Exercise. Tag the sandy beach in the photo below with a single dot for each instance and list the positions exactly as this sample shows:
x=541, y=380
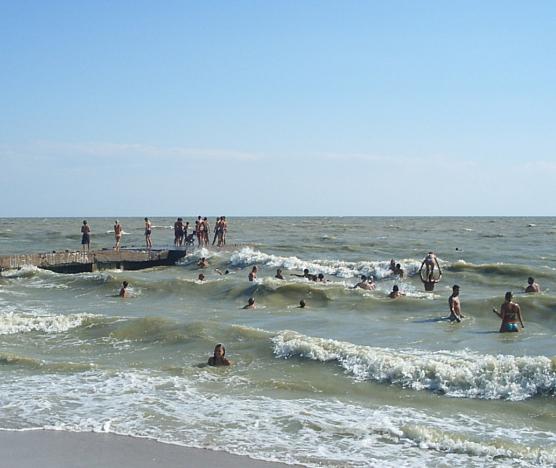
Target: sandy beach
x=58, y=449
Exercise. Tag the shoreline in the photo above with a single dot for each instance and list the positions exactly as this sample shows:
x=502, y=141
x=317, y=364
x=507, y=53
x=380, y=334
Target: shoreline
x=55, y=449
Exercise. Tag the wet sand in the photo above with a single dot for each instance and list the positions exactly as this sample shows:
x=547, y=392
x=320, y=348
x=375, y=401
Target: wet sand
x=59, y=449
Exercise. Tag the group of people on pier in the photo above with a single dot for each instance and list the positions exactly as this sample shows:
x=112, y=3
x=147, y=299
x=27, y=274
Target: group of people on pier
x=201, y=232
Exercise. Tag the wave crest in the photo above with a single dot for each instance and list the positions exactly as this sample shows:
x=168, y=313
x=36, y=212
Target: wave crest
x=342, y=269
x=13, y=322
x=460, y=374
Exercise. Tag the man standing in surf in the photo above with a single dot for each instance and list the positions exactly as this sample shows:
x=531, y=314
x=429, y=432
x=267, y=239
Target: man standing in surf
x=455, y=305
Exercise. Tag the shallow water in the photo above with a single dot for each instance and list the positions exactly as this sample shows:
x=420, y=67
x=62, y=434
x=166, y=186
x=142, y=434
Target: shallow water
x=355, y=379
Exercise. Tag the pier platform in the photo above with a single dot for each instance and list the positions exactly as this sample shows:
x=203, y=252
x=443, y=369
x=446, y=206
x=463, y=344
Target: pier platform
x=94, y=260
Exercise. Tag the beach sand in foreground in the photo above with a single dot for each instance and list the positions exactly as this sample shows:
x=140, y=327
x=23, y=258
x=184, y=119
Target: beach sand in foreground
x=59, y=449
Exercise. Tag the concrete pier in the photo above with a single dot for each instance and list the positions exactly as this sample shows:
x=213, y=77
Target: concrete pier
x=80, y=262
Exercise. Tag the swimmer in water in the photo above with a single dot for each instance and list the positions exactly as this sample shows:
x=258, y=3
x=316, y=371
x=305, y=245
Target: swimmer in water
x=123, y=291
x=250, y=304
x=532, y=286
x=510, y=313
x=201, y=277
x=305, y=274
x=203, y=263
x=398, y=270
x=219, y=357
x=367, y=284
x=395, y=292
x=302, y=304
x=279, y=274
x=455, y=305
x=253, y=274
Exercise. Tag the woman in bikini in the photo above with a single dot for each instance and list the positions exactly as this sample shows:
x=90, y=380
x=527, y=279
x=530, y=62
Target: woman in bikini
x=510, y=313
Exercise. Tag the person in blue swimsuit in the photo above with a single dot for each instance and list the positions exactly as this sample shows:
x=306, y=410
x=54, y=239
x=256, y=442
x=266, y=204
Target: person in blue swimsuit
x=510, y=313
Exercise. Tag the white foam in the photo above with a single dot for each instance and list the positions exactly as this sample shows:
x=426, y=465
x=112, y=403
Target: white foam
x=312, y=432
x=13, y=322
x=25, y=270
x=456, y=373
x=379, y=269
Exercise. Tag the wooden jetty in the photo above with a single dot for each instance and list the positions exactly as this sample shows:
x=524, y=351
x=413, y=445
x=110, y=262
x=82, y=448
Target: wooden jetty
x=94, y=260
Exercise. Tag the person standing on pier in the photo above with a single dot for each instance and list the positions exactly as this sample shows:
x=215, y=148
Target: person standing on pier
x=85, y=236
x=148, y=232
x=178, y=232
x=117, y=234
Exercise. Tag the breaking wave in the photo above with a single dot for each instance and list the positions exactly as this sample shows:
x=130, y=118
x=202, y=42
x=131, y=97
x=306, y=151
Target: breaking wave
x=461, y=374
x=343, y=269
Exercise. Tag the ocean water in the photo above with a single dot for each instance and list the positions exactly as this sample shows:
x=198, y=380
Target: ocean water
x=354, y=379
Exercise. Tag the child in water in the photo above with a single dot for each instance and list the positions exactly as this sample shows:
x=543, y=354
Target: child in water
x=219, y=357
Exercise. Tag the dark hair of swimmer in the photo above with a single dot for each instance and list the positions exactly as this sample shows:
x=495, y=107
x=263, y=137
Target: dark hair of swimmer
x=363, y=277
x=398, y=265
x=251, y=301
x=125, y=283
x=84, y=221
x=306, y=271
x=321, y=276
x=220, y=346
x=455, y=286
x=530, y=280
x=395, y=288
x=302, y=303
x=227, y=272
x=508, y=296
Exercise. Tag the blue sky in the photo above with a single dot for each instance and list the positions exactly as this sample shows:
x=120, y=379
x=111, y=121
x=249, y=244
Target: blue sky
x=136, y=108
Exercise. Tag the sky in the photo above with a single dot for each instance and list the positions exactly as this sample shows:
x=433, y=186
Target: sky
x=277, y=108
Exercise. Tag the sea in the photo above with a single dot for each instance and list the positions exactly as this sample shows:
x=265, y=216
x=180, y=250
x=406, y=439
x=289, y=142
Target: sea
x=355, y=379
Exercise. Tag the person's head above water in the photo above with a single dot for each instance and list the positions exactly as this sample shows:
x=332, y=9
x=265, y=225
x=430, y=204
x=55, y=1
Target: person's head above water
x=395, y=288
x=530, y=280
x=251, y=301
x=455, y=287
x=508, y=297
x=201, y=277
x=84, y=221
x=219, y=351
x=363, y=278
x=306, y=271
x=125, y=284
x=302, y=303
